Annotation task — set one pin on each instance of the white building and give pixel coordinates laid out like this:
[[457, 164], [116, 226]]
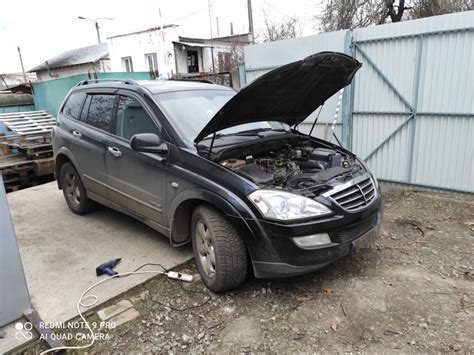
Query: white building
[[163, 52]]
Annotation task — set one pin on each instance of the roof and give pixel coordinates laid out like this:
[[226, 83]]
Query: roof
[[239, 38], [156, 28], [192, 44], [84, 55]]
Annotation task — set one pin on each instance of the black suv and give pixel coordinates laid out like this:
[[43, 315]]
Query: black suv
[[228, 171]]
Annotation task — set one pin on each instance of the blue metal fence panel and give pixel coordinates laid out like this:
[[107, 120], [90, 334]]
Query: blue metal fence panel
[[417, 83]]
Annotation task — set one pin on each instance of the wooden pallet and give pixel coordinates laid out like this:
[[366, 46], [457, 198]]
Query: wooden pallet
[[33, 150], [20, 172], [29, 127]]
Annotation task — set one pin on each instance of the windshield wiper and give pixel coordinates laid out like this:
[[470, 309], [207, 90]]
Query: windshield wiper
[[258, 130]]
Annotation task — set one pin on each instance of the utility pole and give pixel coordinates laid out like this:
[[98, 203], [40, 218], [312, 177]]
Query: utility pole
[[98, 31], [231, 29], [217, 24], [249, 9], [210, 29], [22, 67], [96, 20]]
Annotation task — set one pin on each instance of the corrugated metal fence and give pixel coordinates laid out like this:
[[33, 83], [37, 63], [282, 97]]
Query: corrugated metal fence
[[410, 110]]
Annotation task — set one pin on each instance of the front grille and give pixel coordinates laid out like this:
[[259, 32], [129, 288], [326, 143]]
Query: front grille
[[358, 195], [355, 231]]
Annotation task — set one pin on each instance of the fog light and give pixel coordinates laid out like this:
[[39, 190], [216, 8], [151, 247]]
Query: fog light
[[312, 240]]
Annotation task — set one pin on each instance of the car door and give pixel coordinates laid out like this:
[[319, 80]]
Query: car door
[[136, 180], [87, 138]]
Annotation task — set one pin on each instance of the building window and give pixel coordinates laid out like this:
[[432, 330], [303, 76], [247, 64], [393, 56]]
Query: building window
[[151, 62], [127, 64]]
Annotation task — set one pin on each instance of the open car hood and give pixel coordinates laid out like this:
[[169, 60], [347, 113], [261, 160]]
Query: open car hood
[[287, 94]]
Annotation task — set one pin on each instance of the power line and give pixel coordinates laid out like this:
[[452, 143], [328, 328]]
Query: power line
[[278, 10], [188, 15]]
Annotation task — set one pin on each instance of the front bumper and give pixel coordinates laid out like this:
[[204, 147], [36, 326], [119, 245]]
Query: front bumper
[[274, 253]]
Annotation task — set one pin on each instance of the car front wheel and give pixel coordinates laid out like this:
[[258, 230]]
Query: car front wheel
[[219, 250]]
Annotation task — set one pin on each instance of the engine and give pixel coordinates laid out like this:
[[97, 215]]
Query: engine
[[293, 167]]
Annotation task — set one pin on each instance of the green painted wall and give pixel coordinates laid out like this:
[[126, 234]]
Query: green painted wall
[[48, 95]]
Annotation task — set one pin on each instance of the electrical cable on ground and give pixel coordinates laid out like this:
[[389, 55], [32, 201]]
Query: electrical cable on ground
[[93, 299]]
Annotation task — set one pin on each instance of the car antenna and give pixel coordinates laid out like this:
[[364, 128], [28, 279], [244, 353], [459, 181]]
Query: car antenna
[[316, 120], [212, 144]]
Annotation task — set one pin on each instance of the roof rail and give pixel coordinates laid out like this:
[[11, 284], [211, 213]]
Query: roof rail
[[205, 81], [97, 81]]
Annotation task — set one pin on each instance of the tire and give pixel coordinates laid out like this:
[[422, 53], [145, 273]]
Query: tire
[[224, 267], [74, 191]]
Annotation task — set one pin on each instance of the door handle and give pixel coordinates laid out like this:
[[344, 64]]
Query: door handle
[[115, 152], [77, 134]]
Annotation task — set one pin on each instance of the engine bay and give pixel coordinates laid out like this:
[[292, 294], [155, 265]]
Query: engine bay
[[300, 166]]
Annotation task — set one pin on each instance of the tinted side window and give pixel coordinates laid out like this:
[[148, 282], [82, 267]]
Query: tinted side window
[[72, 108], [132, 119], [101, 108]]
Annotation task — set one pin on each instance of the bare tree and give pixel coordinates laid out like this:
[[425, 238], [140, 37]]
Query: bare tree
[[277, 30], [237, 54], [427, 8], [350, 14], [394, 11]]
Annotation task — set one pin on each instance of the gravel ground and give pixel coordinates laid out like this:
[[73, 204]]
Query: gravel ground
[[410, 291]]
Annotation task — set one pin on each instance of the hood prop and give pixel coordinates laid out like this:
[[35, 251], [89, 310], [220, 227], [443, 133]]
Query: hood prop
[[316, 120], [211, 146]]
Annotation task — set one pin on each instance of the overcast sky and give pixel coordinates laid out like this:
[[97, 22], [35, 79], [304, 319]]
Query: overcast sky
[[44, 28]]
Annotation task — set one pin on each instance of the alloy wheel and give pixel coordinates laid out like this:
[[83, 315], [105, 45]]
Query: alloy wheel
[[205, 248], [72, 189]]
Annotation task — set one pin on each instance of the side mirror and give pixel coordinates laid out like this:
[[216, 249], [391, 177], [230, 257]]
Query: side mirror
[[148, 142]]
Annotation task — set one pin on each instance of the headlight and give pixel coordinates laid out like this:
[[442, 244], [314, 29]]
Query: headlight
[[282, 205]]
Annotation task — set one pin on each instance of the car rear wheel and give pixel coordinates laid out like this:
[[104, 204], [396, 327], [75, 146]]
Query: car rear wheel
[[219, 250], [74, 191]]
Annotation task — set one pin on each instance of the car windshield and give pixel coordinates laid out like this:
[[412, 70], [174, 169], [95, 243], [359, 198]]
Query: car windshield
[[190, 111]]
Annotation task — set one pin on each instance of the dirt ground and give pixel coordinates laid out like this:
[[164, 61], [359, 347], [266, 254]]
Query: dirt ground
[[410, 291]]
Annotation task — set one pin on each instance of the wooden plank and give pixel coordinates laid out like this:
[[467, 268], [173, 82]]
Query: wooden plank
[[34, 129], [21, 114], [12, 114], [30, 123], [23, 123], [23, 118]]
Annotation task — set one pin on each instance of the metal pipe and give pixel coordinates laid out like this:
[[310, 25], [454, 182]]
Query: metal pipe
[[415, 105], [390, 136], [210, 30], [428, 33], [22, 66], [249, 10]]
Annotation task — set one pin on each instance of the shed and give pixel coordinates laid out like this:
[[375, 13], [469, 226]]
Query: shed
[[84, 60]]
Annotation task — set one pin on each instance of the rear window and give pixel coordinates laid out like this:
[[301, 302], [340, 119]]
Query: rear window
[[72, 108]]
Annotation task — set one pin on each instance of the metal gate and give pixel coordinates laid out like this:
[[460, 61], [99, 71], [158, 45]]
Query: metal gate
[[412, 116], [410, 110]]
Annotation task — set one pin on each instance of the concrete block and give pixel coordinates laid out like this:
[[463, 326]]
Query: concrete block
[[116, 309], [124, 317]]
